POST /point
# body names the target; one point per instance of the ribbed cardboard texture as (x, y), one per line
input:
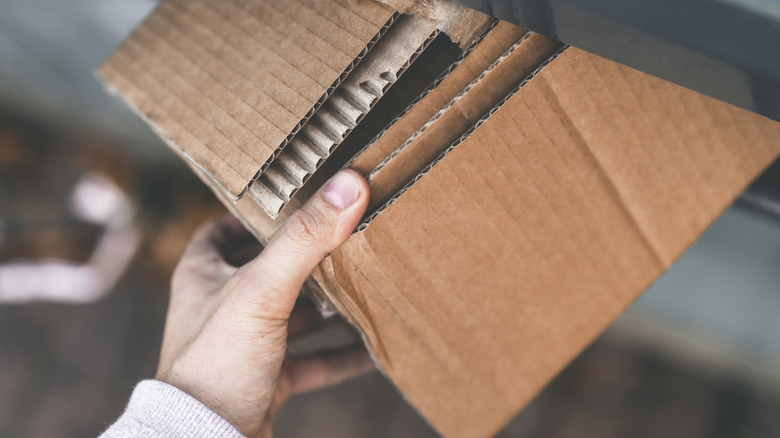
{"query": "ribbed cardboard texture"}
(406, 39)
(229, 81)
(554, 194)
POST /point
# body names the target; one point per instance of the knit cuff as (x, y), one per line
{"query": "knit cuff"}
(159, 410)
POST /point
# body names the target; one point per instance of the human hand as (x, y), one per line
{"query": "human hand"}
(226, 332)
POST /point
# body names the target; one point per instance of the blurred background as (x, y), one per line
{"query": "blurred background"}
(95, 211)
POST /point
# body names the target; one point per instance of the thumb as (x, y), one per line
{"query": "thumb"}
(310, 233)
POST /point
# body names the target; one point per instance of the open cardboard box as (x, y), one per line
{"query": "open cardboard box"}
(523, 192)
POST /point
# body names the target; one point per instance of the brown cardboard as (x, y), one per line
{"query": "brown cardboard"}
(460, 113)
(462, 24)
(228, 82)
(493, 45)
(399, 47)
(332, 123)
(511, 237)
(497, 266)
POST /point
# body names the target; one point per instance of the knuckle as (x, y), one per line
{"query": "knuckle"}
(308, 228)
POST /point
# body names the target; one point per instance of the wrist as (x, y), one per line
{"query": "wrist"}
(157, 409)
(246, 415)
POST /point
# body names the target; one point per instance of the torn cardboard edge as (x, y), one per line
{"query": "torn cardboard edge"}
(292, 168)
(436, 58)
(231, 171)
(537, 50)
(343, 76)
(500, 38)
(456, 116)
(347, 105)
(367, 221)
(443, 76)
(450, 104)
(326, 298)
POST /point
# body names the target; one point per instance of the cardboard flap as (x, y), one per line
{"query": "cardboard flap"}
(229, 82)
(403, 42)
(400, 46)
(468, 107)
(464, 71)
(504, 238)
(508, 256)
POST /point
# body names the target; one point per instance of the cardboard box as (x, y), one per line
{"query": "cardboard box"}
(525, 194)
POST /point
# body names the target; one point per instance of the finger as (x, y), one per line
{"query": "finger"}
(311, 232)
(327, 368)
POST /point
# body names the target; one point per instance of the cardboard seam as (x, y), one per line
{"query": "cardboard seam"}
(322, 99)
(274, 188)
(425, 93)
(451, 103)
(323, 298)
(367, 221)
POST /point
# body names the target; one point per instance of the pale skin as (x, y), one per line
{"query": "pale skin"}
(227, 328)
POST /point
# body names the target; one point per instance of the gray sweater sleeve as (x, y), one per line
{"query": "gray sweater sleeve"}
(159, 410)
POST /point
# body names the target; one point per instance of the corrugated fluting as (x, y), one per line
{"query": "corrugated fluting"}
(230, 81)
(406, 39)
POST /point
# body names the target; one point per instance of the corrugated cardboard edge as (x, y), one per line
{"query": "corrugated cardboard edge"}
(279, 201)
(322, 100)
(467, 26)
(326, 302)
(364, 247)
(455, 144)
(325, 270)
(451, 103)
(425, 93)
(320, 278)
(311, 285)
(234, 196)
